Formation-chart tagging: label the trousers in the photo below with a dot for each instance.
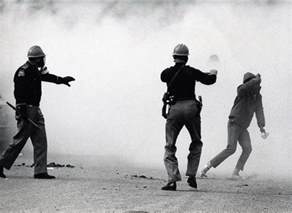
(235, 133)
(183, 113)
(38, 138)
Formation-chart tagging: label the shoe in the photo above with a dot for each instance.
(171, 186)
(203, 175)
(2, 175)
(205, 170)
(236, 177)
(192, 182)
(44, 176)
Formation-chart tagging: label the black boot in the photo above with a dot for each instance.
(44, 176)
(192, 182)
(2, 175)
(171, 186)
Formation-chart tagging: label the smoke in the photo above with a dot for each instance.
(116, 51)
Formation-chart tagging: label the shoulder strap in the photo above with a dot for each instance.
(170, 85)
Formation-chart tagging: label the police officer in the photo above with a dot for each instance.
(185, 111)
(27, 91)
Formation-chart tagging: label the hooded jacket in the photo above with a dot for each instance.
(247, 102)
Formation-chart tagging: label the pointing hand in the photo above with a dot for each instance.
(67, 79)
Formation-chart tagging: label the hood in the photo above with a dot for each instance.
(247, 76)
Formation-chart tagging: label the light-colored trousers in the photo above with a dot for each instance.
(235, 133)
(183, 113)
(38, 138)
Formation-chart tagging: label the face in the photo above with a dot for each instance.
(39, 62)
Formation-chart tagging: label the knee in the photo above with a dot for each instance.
(170, 148)
(247, 150)
(231, 149)
(196, 146)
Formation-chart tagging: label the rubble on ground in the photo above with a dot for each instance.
(51, 165)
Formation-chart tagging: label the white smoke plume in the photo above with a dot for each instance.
(116, 51)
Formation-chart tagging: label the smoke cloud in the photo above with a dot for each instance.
(116, 51)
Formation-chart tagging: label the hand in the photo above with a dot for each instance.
(264, 135)
(21, 111)
(67, 79)
(213, 72)
(44, 70)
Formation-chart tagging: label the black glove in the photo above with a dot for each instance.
(21, 112)
(66, 80)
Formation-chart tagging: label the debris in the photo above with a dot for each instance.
(53, 164)
(50, 165)
(57, 165)
(22, 164)
(241, 185)
(143, 177)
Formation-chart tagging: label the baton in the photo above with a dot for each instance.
(28, 119)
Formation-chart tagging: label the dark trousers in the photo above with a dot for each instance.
(183, 113)
(235, 133)
(38, 137)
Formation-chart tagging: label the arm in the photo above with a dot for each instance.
(260, 114)
(21, 93)
(165, 75)
(46, 76)
(249, 86)
(206, 78)
(21, 85)
(51, 78)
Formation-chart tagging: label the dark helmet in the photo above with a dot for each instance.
(35, 52)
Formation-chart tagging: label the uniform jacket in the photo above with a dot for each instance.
(184, 84)
(247, 102)
(28, 84)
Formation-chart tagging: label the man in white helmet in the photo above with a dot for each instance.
(27, 91)
(184, 111)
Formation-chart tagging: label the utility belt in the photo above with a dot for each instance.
(28, 105)
(169, 100)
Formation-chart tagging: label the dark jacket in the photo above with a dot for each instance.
(184, 84)
(247, 102)
(28, 84)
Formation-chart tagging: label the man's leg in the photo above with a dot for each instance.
(194, 128)
(11, 153)
(39, 141)
(233, 134)
(245, 143)
(173, 127)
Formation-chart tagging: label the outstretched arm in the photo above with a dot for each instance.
(46, 76)
(206, 78)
